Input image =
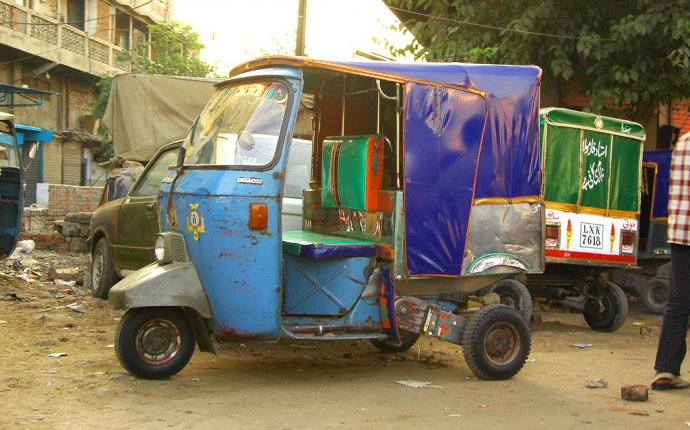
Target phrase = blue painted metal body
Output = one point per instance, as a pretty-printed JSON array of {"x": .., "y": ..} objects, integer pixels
[
  {"x": 662, "y": 159},
  {"x": 471, "y": 132}
]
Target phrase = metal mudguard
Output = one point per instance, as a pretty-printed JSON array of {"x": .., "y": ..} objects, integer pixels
[{"x": 174, "y": 284}]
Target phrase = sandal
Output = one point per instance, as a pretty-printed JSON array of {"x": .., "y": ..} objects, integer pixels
[{"x": 674, "y": 382}]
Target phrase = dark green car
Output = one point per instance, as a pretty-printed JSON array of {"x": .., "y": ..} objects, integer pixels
[{"x": 122, "y": 231}]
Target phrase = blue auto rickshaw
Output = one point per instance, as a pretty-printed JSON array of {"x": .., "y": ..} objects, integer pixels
[{"x": 425, "y": 190}]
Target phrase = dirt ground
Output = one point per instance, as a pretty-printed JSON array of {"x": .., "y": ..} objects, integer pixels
[{"x": 58, "y": 370}]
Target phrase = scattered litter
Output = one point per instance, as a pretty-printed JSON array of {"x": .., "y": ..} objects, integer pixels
[
  {"x": 57, "y": 354},
  {"x": 64, "y": 283},
  {"x": 418, "y": 384},
  {"x": 13, "y": 297},
  {"x": 110, "y": 346},
  {"x": 25, "y": 246},
  {"x": 596, "y": 383},
  {"x": 639, "y": 413},
  {"x": 638, "y": 323},
  {"x": 3, "y": 322},
  {"x": 196, "y": 380},
  {"x": 25, "y": 277},
  {"x": 581, "y": 345},
  {"x": 455, "y": 415},
  {"x": 483, "y": 405},
  {"x": 76, "y": 308}
]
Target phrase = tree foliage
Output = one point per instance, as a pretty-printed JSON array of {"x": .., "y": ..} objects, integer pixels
[
  {"x": 626, "y": 55},
  {"x": 173, "y": 47}
]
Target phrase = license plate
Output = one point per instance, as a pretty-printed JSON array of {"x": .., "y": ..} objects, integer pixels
[{"x": 591, "y": 236}]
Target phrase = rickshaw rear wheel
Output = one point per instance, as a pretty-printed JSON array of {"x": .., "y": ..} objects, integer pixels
[
  {"x": 496, "y": 342},
  {"x": 607, "y": 309},
  {"x": 154, "y": 343},
  {"x": 515, "y": 294},
  {"x": 407, "y": 340},
  {"x": 655, "y": 295}
]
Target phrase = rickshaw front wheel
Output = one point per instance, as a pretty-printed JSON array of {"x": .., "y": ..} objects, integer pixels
[
  {"x": 496, "y": 342},
  {"x": 407, "y": 340},
  {"x": 154, "y": 343}
]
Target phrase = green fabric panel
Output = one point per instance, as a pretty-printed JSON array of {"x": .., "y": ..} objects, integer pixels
[
  {"x": 326, "y": 195},
  {"x": 625, "y": 175},
  {"x": 352, "y": 173},
  {"x": 561, "y": 164},
  {"x": 596, "y": 162},
  {"x": 584, "y": 119}
]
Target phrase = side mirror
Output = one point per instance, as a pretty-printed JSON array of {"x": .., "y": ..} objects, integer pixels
[{"x": 246, "y": 141}]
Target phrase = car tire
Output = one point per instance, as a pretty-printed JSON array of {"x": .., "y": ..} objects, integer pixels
[{"x": 103, "y": 274}]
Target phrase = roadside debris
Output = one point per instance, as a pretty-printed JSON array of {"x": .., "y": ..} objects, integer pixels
[
  {"x": 418, "y": 384},
  {"x": 581, "y": 345},
  {"x": 596, "y": 383},
  {"x": 57, "y": 354},
  {"x": 634, "y": 393}
]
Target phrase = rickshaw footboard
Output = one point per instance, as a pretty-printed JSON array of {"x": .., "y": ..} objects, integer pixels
[{"x": 419, "y": 316}]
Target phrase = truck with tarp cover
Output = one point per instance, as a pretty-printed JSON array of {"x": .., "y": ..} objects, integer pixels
[
  {"x": 425, "y": 190},
  {"x": 592, "y": 169}
]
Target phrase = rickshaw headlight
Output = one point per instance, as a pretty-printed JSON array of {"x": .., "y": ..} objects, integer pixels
[{"x": 163, "y": 249}]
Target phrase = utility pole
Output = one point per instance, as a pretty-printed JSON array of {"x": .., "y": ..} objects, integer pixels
[{"x": 301, "y": 24}]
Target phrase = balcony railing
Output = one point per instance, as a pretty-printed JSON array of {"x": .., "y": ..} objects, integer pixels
[{"x": 59, "y": 35}]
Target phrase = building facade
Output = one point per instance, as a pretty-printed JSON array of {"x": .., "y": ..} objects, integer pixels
[{"x": 59, "y": 48}]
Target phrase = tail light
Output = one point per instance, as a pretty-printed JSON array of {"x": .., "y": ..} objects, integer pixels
[
  {"x": 553, "y": 234},
  {"x": 628, "y": 242}
]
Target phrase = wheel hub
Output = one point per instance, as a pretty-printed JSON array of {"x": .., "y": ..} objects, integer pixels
[
  {"x": 501, "y": 344},
  {"x": 158, "y": 341}
]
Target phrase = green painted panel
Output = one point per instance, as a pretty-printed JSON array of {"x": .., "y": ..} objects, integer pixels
[
  {"x": 351, "y": 175},
  {"x": 326, "y": 194},
  {"x": 561, "y": 164},
  {"x": 596, "y": 166},
  {"x": 588, "y": 120},
  {"x": 625, "y": 174}
]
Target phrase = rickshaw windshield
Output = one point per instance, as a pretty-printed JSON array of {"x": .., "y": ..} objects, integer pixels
[
  {"x": 240, "y": 126},
  {"x": 8, "y": 146}
]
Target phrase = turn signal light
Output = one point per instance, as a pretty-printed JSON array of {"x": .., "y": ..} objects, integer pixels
[{"x": 258, "y": 216}]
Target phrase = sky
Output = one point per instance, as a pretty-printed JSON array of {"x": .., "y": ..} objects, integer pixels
[{"x": 234, "y": 31}]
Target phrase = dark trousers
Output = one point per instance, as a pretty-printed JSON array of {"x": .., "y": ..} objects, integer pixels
[{"x": 672, "y": 344}]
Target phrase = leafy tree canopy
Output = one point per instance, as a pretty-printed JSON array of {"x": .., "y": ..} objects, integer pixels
[{"x": 624, "y": 54}]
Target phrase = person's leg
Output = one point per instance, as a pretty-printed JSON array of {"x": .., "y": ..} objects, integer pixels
[{"x": 672, "y": 346}]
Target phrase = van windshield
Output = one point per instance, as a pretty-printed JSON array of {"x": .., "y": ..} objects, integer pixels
[{"x": 239, "y": 126}]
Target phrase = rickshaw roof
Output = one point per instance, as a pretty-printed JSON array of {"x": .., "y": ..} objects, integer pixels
[
  {"x": 490, "y": 78},
  {"x": 572, "y": 118}
]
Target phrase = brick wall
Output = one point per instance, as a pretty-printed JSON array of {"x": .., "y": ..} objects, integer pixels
[
  {"x": 63, "y": 225},
  {"x": 64, "y": 199}
]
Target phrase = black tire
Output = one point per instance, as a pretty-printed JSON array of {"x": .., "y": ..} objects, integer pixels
[
  {"x": 103, "y": 274},
  {"x": 515, "y": 294},
  {"x": 407, "y": 339},
  {"x": 655, "y": 295},
  {"x": 154, "y": 343},
  {"x": 496, "y": 342},
  {"x": 608, "y": 310}
]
